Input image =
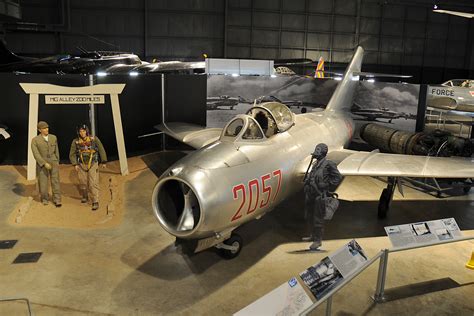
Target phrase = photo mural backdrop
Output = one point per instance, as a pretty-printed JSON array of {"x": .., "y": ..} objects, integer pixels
[{"x": 393, "y": 105}]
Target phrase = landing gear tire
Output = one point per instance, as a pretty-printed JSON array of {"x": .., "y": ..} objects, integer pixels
[
  {"x": 466, "y": 189},
  {"x": 303, "y": 110},
  {"x": 235, "y": 241},
  {"x": 384, "y": 204}
]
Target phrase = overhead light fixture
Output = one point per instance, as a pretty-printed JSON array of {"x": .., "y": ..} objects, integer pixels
[
  {"x": 338, "y": 78},
  {"x": 273, "y": 76},
  {"x": 371, "y": 80},
  {"x": 355, "y": 78},
  {"x": 133, "y": 73},
  {"x": 101, "y": 74},
  {"x": 235, "y": 75}
]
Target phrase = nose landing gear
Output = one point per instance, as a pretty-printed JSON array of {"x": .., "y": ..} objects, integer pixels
[{"x": 231, "y": 247}]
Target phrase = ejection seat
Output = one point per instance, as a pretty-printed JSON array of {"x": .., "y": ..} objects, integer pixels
[{"x": 273, "y": 117}]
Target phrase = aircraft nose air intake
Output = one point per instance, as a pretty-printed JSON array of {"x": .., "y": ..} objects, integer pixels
[{"x": 176, "y": 206}]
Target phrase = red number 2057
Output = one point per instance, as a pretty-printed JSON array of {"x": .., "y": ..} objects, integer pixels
[{"x": 262, "y": 190}]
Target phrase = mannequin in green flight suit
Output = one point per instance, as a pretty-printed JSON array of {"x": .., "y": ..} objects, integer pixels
[{"x": 84, "y": 155}]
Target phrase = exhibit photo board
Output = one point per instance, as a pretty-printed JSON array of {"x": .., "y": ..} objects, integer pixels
[
  {"x": 327, "y": 274},
  {"x": 422, "y": 233},
  {"x": 311, "y": 285}
]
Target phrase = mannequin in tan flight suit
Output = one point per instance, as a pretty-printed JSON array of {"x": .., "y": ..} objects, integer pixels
[{"x": 46, "y": 153}]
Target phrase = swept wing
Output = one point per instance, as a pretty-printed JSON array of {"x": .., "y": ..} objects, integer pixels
[{"x": 193, "y": 135}]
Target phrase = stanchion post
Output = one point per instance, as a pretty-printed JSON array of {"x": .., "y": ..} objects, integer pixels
[
  {"x": 379, "y": 296},
  {"x": 328, "y": 306},
  {"x": 163, "y": 112}
]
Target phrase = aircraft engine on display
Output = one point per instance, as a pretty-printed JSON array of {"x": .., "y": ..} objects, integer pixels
[{"x": 436, "y": 143}]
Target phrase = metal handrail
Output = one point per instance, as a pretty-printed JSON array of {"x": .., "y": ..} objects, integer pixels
[
  {"x": 9, "y": 299},
  {"x": 328, "y": 297},
  {"x": 379, "y": 296}
]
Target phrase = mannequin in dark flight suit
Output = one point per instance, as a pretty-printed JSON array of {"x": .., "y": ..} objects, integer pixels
[{"x": 322, "y": 177}]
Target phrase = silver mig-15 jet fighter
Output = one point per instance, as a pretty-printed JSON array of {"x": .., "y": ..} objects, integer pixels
[{"x": 258, "y": 159}]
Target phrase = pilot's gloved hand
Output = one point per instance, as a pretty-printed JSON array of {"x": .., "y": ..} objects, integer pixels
[{"x": 48, "y": 166}]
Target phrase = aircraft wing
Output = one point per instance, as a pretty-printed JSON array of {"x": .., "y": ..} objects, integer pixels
[
  {"x": 379, "y": 164},
  {"x": 458, "y": 13},
  {"x": 376, "y": 164},
  {"x": 193, "y": 135}
]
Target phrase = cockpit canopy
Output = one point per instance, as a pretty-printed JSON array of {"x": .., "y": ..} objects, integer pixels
[
  {"x": 277, "y": 115},
  {"x": 264, "y": 120},
  {"x": 465, "y": 83}
]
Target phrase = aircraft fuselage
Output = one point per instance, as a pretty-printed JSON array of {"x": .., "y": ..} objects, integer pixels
[{"x": 231, "y": 183}]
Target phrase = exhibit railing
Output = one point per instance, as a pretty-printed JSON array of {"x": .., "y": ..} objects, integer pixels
[
  {"x": 18, "y": 299},
  {"x": 379, "y": 295}
]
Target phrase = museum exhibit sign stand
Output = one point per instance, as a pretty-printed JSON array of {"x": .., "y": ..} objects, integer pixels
[
  {"x": 55, "y": 94},
  {"x": 379, "y": 295}
]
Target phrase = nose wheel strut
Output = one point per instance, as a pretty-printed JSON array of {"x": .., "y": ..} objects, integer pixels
[{"x": 231, "y": 247}]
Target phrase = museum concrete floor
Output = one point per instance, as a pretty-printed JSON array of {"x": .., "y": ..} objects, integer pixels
[{"x": 129, "y": 266}]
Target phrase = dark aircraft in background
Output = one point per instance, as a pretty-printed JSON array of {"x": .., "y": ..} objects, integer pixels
[
  {"x": 373, "y": 114},
  {"x": 224, "y": 102},
  {"x": 94, "y": 62}
]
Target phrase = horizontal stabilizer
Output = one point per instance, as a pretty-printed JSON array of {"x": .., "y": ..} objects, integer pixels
[{"x": 193, "y": 135}]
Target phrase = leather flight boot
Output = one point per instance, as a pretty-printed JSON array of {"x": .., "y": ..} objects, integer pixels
[{"x": 83, "y": 196}]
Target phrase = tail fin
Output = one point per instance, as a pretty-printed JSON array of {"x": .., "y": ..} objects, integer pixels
[
  {"x": 342, "y": 99},
  {"x": 320, "y": 68}
]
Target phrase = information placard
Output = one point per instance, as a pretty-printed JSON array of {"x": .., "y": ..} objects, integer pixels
[
  {"x": 421, "y": 233},
  {"x": 321, "y": 278}
]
